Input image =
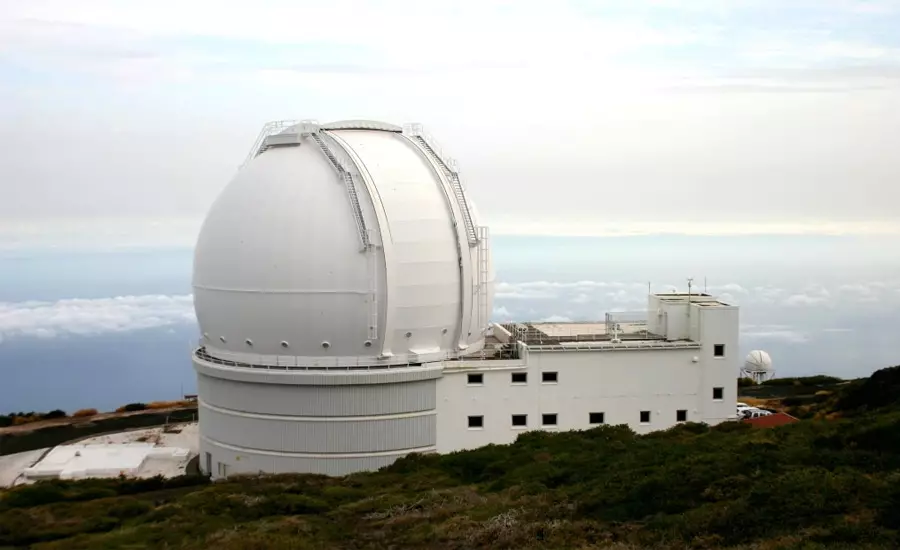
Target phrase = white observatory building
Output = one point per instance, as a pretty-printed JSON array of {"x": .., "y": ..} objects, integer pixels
[{"x": 343, "y": 286}]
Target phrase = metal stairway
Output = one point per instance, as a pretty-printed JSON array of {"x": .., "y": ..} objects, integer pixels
[
  {"x": 483, "y": 271},
  {"x": 453, "y": 178},
  {"x": 351, "y": 189}
]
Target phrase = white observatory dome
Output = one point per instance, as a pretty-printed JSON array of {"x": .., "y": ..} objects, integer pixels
[
  {"x": 758, "y": 361},
  {"x": 350, "y": 243}
]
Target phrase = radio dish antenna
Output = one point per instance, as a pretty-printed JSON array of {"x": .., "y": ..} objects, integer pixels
[{"x": 758, "y": 366}]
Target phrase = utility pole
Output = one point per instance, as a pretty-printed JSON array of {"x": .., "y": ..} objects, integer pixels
[{"x": 690, "y": 282}]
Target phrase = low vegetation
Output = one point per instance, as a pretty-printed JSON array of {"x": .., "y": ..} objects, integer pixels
[
  {"x": 814, "y": 484},
  {"x": 22, "y": 418}
]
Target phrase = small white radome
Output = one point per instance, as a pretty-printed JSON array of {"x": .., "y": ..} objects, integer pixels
[{"x": 758, "y": 361}]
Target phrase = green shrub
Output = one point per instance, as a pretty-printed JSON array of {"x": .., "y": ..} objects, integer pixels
[{"x": 815, "y": 484}]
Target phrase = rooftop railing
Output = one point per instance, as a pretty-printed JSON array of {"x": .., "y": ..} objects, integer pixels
[{"x": 619, "y": 346}]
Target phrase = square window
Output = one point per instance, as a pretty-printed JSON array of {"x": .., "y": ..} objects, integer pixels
[
  {"x": 475, "y": 379},
  {"x": 595, "y": 418},
  {"x": 548, "y": 419},
  {"x": 719, "y": 350},
  {"x": 681, "y": 416},
  {"x": 476, "y": 422},
  {"x": 718, "y": 393},
  {"x": 519, "y": 420},
  {"x": 519, "y": 378},
  {"x": 645, "y": 417},
  {"x": 549, "y": 377}
]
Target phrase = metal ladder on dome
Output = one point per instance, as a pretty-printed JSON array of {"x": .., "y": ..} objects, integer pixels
[
  {"x": 483, "y": 268},
  {"x": 367, "y": 245},
  {"x": 347, "y": 178},
  {"x": 453, "y": 178}
]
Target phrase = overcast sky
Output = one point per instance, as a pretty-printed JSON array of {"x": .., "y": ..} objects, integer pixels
[{"x": 127, "y": 118}]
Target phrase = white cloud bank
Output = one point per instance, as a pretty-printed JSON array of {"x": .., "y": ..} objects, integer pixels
[
  {"x": 529, "y": 300},
  {"x": 91, "y": 317}
]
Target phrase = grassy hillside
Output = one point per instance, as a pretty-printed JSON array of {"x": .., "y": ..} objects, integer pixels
[{"x": 816, "y": 484}]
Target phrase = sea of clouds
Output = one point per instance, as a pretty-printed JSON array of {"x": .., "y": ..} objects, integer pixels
[{"x": 520, "y": 301}]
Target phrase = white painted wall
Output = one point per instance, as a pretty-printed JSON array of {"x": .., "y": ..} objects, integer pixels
[
  {"x": 719, "y": 325},
  {"x": 619, "y": 384}
]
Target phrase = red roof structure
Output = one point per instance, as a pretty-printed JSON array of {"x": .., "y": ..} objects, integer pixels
[{"x": 772, "y": 420}]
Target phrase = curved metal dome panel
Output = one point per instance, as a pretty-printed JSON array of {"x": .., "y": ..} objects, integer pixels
[
  {"x": 339, "y": 248},
  {"x": 277, "y": 268},
  {"x": 419, "y": 240}
]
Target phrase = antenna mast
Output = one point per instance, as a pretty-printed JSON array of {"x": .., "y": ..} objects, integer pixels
[{"x": 690, "y": 282}]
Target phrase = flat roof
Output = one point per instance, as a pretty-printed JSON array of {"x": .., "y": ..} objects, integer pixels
[
  {"x": 699, "y": 299},
  {"x": 543, "y": 333}
]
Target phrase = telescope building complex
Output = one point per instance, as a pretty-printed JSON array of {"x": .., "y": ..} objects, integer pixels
[{"x": 343, "y": 285}]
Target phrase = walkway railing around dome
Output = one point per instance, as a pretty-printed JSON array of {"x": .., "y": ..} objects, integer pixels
[{"x": 323, "y": 364}]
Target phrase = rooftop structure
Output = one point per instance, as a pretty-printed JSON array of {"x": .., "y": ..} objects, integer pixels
[
  {"x": 343, "y": 284},
  {"x": 81, "y": 461}
]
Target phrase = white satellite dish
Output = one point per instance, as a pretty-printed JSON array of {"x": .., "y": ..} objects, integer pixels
[{"x": 758, "y": 366}]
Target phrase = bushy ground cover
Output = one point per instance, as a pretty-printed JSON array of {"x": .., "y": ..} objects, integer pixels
[{"x": 815, "y": 484}]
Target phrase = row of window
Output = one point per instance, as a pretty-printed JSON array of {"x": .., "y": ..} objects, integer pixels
[
  {"x": 551, "y": 419},
  {"x": 477, "y": 378}
]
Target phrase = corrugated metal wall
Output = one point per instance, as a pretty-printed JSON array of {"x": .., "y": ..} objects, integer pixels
[
  {"x": 292, "y": 424},
  {"x": 317, "y": 435},
  {"x": 362, "y": 400},
  {"x": 252, "y": 463}
]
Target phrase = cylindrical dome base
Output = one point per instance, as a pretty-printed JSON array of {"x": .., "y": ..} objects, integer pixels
[{"x": 255, "y": 420}]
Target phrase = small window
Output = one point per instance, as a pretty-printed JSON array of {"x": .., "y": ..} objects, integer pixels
[
  {"x": 548, "y": 419},
  {"x": 718, "y": 393},
  {"x": 719, "y": 350},
  {"x": 549, "y": 377},
  {"x": 208, "y": 464},
  {"x": 475, "y": 379},
  {"x": 476, "y": 422},
  {"x": 519, "y": 420},
  {"x": 645, "y": 417},
  {"x": 681, "y": 416},
  {"x": 595, "y": 418},
  {"x": 520, "y": 378}
]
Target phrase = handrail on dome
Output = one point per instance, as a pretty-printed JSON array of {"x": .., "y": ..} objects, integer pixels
[
  {"x": 415, "y": 129},
  {"x": 349, "y": 183},
  {"x": 417, "y": 134},
  {"x": 269, "y": 129}
]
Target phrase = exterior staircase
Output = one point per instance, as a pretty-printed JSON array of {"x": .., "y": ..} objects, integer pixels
[
  {"x": 347, "y": 178},
  {"x": 453, "y": 178}
]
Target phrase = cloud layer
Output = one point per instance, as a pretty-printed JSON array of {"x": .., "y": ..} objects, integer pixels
[
  {"x": 90, "y": 317},
  {"x": 813, "y": 306},
  {"x": 528, "y": 300}
]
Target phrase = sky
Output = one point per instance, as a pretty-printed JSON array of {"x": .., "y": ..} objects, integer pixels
[{"x": 123, "y": 120}]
